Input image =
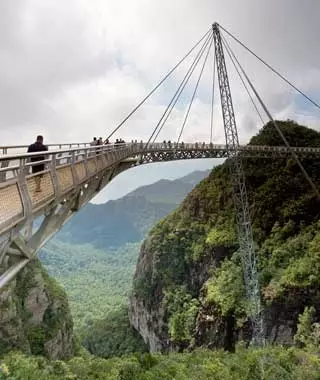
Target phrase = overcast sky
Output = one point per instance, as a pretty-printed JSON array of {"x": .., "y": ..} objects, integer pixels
[{"x": 73, "y": 69}]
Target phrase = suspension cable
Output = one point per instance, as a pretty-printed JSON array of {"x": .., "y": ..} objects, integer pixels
[
  {"x": 227, "y": 47},
  {"x": 179, "y": 90},
  {"x": 195, "y": 90},
  {"x": 213, "y": 88},
  {"x": 294, "y": 155},
  {"x": 271, "y": 68},
  {"x": 159, "y": 84},
  {"x": 182, "y": 89}
]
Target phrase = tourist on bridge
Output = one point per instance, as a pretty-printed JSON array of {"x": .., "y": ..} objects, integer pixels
[
  {"x": 94, "y": 142},
  {"x": 99, "y": 142},
  {"x": 38, "y": 146}
]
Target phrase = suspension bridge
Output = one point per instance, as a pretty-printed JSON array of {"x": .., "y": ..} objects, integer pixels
[{"x": 74, "y": 173}]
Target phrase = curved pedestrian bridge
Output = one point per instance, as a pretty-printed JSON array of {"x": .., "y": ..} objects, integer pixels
[{"x": 73, "y": 174}]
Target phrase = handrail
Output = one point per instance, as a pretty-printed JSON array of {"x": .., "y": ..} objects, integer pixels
[
  {"x": 154, "y": 146},
  {"x": 107, "y": 147},
  {"x": 6, "y": 148}
]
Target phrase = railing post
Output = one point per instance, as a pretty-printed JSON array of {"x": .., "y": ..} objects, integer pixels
[
  {"x": 73, "y": 169},
  {"x": 3, "y": 175},
  {"x": 85, "y": 160},
  {"x": 25, "y": 197},
  {"x": 54, "y": 177}
]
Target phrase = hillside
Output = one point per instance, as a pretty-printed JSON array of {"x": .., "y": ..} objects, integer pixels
[
  {"x": 172, "y": 192},
  {"x": 127, "y": 220},
  {"x": 100, "y": 246},
  {"x": 188, "y": 289}
]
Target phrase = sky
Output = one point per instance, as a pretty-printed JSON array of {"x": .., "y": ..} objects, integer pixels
[{"x": 71, "y": 70}]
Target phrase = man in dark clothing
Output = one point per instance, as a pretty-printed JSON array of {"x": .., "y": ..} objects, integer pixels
[{"x": 38, "y": 146}]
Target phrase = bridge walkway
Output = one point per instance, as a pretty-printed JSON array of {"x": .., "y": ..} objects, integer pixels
[{"x": 73, "y": 175}]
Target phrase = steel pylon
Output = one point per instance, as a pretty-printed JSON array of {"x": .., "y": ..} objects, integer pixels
[{"x": 240, "y": 197}]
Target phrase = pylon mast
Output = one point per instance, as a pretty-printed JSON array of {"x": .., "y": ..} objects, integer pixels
[{"x": 240, "y": 197}]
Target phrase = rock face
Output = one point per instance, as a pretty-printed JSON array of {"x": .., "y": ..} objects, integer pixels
[
  {"x": 188, "y": 287},
  {"x": 150, "y": 324},
  {"x": 35, "y": 315}
]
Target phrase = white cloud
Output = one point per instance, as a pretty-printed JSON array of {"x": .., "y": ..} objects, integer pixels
[{"x": 73, "y": 69}]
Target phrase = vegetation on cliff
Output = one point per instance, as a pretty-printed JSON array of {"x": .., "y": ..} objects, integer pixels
[
  {"x": 113, "y": 336},
  {"x": 94, "y": 248},
  {"x": 195, "y": 247},
  {"x": 35, "y": 315}
]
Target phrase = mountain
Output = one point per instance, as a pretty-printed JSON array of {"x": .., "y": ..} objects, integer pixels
[
  {"x": 100, "y": 246},
  {"x": 188, "y": 287},
  {"x": 188, "y": 291},
  {"x": 127, "y": 220},
  {"x": 172, "y": 192}
]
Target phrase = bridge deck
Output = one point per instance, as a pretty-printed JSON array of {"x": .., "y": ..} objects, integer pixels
[
  {"x": 66, "y": 170},
  {"x": 71, "y": 176}
]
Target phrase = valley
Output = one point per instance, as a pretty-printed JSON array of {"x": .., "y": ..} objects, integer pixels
[{"x": 152, "y": 283}]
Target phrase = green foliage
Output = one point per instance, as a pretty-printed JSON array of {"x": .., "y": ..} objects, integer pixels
[
  {"x": 296, "y": 135},
  {"x": 292, "y": 262},
  {"x": 252, "y": 364},
  {"x": 225, "y": 288},
  {"x": 221, "y": 237},
  {"x": 308, "y": 332},
  {"x": 109, "y": 273},
  {"x": 56, "y": 317},
  {"x": 36, "y": 337},
  {"x": 182, "y": 311},
  {"x": 113, "y": 336},
  {"x": 285, "y": 216}
]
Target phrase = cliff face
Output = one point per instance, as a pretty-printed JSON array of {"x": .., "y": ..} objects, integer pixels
[
  {"x": 35, "y": 315},
  {"x": 188, "y": 289}
]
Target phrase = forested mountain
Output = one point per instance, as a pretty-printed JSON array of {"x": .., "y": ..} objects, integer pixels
[
  {"x": 188, "y": 287},
  {"x": 188, "y": 290},
  {"x": 100, "y": 246},
  {"x": 127, "y": 220},
  {"x": 172, "y": 192}
]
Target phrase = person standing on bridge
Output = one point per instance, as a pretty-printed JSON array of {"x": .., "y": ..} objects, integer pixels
[{"x": 38, "y": 146}]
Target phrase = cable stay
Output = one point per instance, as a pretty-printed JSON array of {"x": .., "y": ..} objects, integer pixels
[
  {"x": 271, "y": 68},
  {"x": 226, "y": 46},
  {"x": 178, "y": 92},
  {"x": 195, "y": 91},
  {"x": 212, "y": 96},
  {"x": 182, "y": 86},
  {"x": 275, "y": 124},
  {"x": 159, "y": 84}
]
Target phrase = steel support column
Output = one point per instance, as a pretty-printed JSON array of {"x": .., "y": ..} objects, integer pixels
[{"x": 240, "y": 197}]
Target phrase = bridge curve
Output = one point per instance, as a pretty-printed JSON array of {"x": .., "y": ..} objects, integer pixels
[{"x": 73, "y": 174}]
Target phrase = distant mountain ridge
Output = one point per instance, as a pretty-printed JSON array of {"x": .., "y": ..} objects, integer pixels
[
  {"x": 170, "y": 191},
  {"x": 128, "y": 219}
]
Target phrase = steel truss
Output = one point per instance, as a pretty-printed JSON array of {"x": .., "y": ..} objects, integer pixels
[{"x": 240, "y": 197}]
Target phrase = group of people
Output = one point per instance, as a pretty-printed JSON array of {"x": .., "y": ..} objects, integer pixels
[
  {"x": 39, "y": 146},
  {"x": 100, "y": 141}
]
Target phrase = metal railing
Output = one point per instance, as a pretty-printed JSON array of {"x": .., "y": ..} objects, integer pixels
[
  {"x": 12, "y": 164},
  {"x": 56, "y": 183},
  {"x": 16, "y": 149},
  {"x": 57, "y": 172}
]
